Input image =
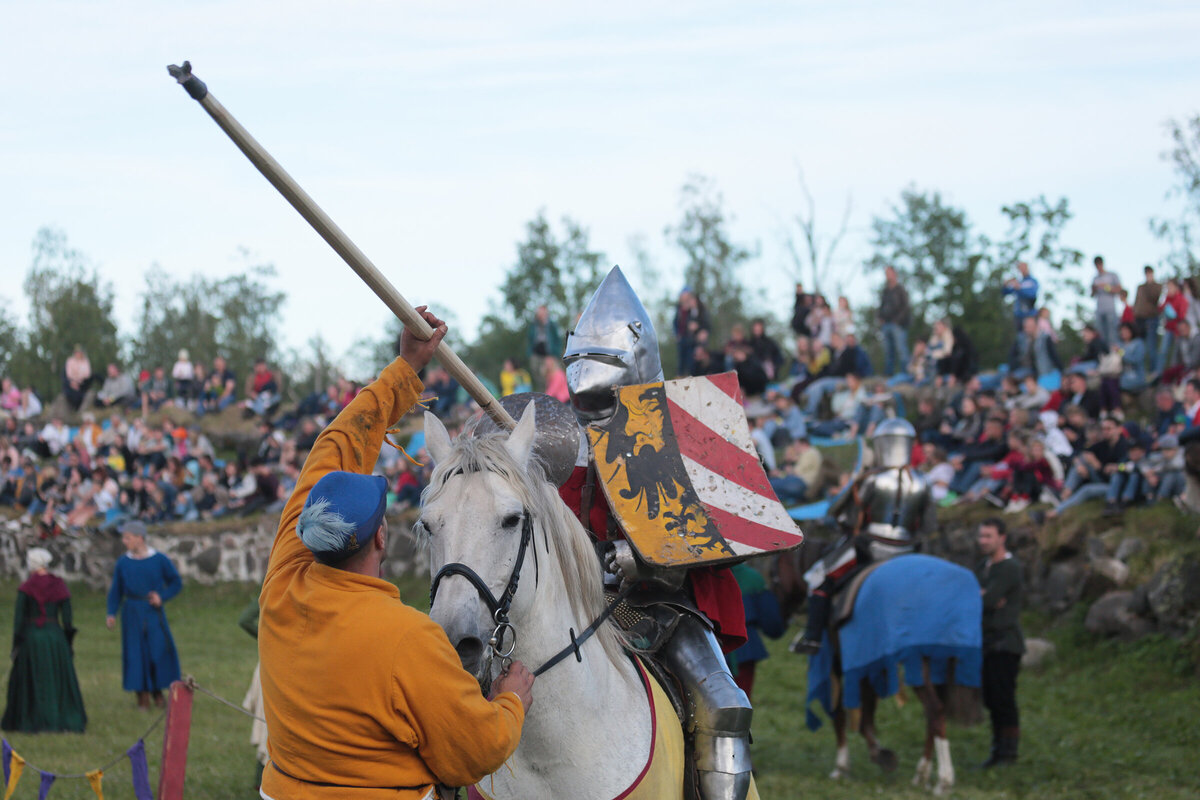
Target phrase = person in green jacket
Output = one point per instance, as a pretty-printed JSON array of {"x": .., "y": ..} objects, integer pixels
[{"x": 1000, "y": 579}]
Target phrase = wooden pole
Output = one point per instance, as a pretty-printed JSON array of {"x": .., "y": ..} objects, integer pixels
[
  {"x": 177, "y": 732},
  {"x": 339, "y": 241}
]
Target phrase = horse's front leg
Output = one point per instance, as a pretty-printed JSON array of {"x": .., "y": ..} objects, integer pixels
[
  {"x": 841, "y": 768},
  {"x": 885, "y": 758}
]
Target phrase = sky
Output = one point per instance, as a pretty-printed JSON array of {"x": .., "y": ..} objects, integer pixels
[{"x": 433, "y": 131}]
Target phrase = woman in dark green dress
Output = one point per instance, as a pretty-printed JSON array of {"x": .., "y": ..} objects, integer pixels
[{"x": 43, "y": 692}]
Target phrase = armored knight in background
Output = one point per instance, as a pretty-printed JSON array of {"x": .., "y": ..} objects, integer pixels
[
  {"x": 883, "y": 513},
  {"x": 614, "y": 345}
]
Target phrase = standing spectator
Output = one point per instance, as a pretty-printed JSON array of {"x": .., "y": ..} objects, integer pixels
[
  {"x": 1000, "y": 579},
  {"x": 1024, "y": 291},
  {"x": 894, "y": 317},
  {"x": 690, "y": 319},
  {"x": 143, "y": 580},
  {"x": 843, "y": 317},
  {"x": 43, "y": 691},
  {"x": 117, "y": 391},
  {"x": 1174, "y": 308},
  {"x": 1145, "y": 315},
  {"x": 820, "y": 320},
  {"x": 1106, "y": 288},
  {"x": 544, "y": 340},
  {"x": 184, "y": 376},
  {"x": 800, "y": 308},
  {"x": 762, "y": 614},
  {"x": 77, "y": 377},
  {"x": 1133, "y": 359}
]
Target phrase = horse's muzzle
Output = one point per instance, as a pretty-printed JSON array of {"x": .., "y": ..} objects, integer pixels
[{"x": 470, "y": 653}]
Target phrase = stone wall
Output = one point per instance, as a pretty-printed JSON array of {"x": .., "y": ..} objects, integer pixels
[{"x": 207, "y": 553}]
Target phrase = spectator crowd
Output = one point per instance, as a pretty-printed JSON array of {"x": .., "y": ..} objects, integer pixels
[{"x": 1040, "y": 428}]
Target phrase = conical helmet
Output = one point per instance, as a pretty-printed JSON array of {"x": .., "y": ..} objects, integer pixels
[
  {"x": 613, "y": 345},
  {"x": 893, "y": 442}
]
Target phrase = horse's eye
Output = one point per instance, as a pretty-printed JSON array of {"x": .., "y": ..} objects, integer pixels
[
  {"x": 511, "y": 520},
  {"x": 421, "y": 529}
]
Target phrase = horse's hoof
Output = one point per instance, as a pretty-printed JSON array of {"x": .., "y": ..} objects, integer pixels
[
  {"x": 886, "y": 759},
  {"x": 943, "y": 787},
  {"x": 837, "y": 774},
  {"x": 924, "y": 769}
]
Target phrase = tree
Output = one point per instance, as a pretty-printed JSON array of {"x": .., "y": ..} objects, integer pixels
[
  {"x": 236, "y": 317},
  {"x": 713, "y": 260},
  {"x": 946, "y": 268},
  {"x": 814, "y": 252},
  {"x": 1181, "y": 233},
  {"x": 1034, "y": 232},
  {"x": 557, "y": 270},
  {"x": 68, "y": 305}
]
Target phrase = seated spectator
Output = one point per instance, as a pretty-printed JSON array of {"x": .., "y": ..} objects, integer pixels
[
  {"x": 919, "y": 371},
  {"x": 788, "y": 422},
  {"x": 832, "y": 378},
  {"x": 1186, "y": 360},
  {"x": 514, "y": 379},
  {"x": 706, "y": 362},
  {"x": 77, "y": 377},
  {"x": 1094, "y": 347},
  {"x": 222, "y": 385},
  {"x": 53, "y": 439},
  {"x": 971, "y": 458},
  {"x": 799, "y": 479},
  {"x": 765, "y": 350},
  {"x": 556, "y": 380},
  {"x": 1092, "y": 472},
  {"x": 10, "y": 398},
  {"x": 117, "y": 391},
  {"x": 862, "y": 361},
  {"x": 1133, "y": 359},
  {"x": 154, "y": 389},
  {"x": 263, "y": 394},
  {"x": 31, "y": 405},
  {"x": 1159, "y": 476},
  {"x": 1169, "y": 414},
  {"x": 938, "y": 471},
  {"x": 183, "y": 376},
  {"x": 855, "y": 411},
  {"x": 1033, "y": 395},
  {"x": 752, "y": 376}
]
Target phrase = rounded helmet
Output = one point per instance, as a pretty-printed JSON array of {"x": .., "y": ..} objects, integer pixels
[
  {"x": 613, "y": 345},
  {"x": 893, "y": 442}
]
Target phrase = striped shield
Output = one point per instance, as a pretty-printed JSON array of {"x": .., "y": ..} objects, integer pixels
[{"x": 682, "y": 477}]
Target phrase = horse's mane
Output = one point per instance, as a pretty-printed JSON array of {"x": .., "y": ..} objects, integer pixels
[{"x": 565, "y": 537}]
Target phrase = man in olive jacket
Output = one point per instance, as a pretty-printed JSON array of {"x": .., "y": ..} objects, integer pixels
[{"x": 1000, "y": 579}]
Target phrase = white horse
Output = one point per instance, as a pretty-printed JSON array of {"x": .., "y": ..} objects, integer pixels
[{"x": 588, "y": 733}]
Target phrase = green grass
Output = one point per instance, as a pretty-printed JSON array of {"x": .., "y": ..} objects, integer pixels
[{"x": 1103, "y": 720}]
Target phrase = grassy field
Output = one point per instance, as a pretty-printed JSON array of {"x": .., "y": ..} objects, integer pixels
[{"x": 1104, "y": 720}]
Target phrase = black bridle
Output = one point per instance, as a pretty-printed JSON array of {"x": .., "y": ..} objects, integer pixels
[{"x": 500, "y": 606}]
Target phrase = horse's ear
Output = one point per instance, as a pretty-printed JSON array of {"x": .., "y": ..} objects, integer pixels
[
  {"x": 520, "y": 441},
  {"x": 437, "y": 440}
]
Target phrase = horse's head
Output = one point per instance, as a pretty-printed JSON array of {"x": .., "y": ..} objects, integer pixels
[{"x": 477, "y": 512}]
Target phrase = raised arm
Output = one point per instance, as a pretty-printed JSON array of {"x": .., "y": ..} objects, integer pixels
[{"x": 351, "y": 442}]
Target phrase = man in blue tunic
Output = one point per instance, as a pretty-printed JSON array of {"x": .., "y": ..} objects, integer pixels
[{"x": 143, "y": 580}]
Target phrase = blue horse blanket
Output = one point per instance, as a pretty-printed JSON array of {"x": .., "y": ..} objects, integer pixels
[{"x": 910, "y": 608}]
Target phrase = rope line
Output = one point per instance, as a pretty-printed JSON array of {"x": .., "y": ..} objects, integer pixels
[
  {"x": 105, "y": 767},
  {"x": 191, "y": 682}
]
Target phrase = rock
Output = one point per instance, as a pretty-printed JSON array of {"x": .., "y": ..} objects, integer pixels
[
  {"x": 1173, "y": 592},
  {"x": 1128, "y": 548},
  {"x": 1096, "y": 548},
  {"x": 208, "y": 560},
  {"x": 1037, "y": 653},
  {"x": 1111, "y": 616},
  {"x": 1063, "y": 585},
  {"x": 1112, "y": 569}
]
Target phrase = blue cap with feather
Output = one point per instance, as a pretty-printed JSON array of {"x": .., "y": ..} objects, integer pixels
[{"x": 341, "y": 514}]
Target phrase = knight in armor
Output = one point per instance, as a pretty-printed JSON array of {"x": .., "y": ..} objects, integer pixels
[
  {"x": 883, "y": 514},
  {"x": 697, "y": 612}
]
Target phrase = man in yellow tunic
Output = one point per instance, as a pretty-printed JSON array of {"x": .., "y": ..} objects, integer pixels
[{"x": 365, "y": 697}]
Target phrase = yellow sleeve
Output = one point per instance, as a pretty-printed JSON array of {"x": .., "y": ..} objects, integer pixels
[
  {"x": 461, "y": 735},
  {"x": 350, "y": 443}
]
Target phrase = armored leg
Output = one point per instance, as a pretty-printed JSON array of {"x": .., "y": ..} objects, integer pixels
[{"x": 718, "y": 711}]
